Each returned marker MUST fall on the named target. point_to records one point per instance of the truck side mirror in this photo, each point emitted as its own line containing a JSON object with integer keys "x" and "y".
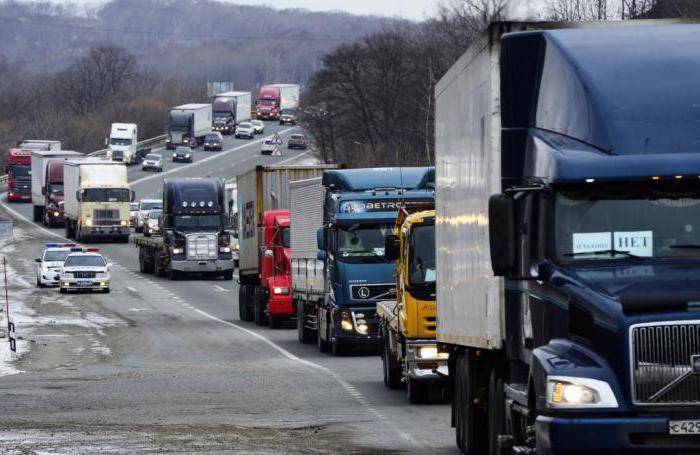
{"x": 78, "y": 196}
{"x": 269, "y": 253}
{"x": 321, "y": 239}
{"x": 392, "y": 247}
{"x": 133, "y": 195}
{"x": 321, "y": 255}
{"x": 502, "y": 234}
{"x": 43, "y": 190}
{"x": 106, "y": 141}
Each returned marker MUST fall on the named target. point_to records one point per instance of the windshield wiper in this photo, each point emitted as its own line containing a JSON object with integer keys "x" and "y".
{"x": 686, "y": 246}
{"x": 610, "y": 252}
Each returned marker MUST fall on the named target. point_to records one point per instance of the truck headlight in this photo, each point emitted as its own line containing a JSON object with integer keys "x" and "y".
{"x": 178, "y": 250}
{"x": 187, "y": 156}
{"x": 124, "y": 222}
{"x": 174, "y": 155}
{"x": 565, "y": 392}
{"x": 280, "y": 290}
{"x": 431, "y": 352}
{"x": 88, "y": 222}
{"x": 56, "y": 213}
{"x": 226, "y": 249}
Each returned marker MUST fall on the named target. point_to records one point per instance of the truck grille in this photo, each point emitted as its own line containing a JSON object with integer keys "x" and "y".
{"x": 23, "y": 185}
{"x": 666, "y": 363}
{"x": 373, "y": 291}
{"x": 117, "y": 155}
{"x": 105, "y": 217}
{"x": 84, "y": 274}
{"x": 202, "y": 246}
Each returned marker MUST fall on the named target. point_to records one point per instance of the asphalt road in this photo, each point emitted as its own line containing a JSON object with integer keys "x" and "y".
{"x": 180, "y": 373}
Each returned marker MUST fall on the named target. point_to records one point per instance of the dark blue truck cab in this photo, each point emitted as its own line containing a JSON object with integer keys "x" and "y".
{"x": 589, "y": 342}
{"x": 360, "y": 208}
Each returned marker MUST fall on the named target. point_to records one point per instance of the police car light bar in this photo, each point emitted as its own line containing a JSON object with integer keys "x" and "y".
{"x": 76, "y": 249}
{"x": 93, "y": 250}
{"x": 60, "y": 245}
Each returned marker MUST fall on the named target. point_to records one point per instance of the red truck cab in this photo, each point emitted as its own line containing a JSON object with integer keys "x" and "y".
{"x": 19, "y": 175}
{"x": 53, "y": 193}
{"x": 268, "y": 104}
{"x": 275, "y": 270}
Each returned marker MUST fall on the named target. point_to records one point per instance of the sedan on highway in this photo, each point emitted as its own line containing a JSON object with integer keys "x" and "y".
{"x": 85, "y": 271}
{"x": 297, "y": 141}
{"x": 152, "y": 162}
{"x": 258, "y": 126}
{"x": 183, "y": 154}
{"x": 245, "y": 129}
{"x": 152, "y": 224}
{"x": 213, "y": 141}
{"x": 268, "y": 147}
{"x": 288, "y": 117}
{"x": 145, "y": 206}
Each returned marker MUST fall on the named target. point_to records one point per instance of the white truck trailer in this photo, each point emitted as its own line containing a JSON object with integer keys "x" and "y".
{"x": 123, "y": 143}
{"x": 39, "y": 182}
{"x": 40, "y": 144}
{"x": 188, "y": 125}
{"x": 97, "y": 197}
{"x": 306, "y": 205}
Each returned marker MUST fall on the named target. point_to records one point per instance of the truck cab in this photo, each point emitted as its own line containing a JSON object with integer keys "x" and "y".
{"x": 359, "y": 212}
{"x": 276, "y": 303}
{"x": 19, "y": 175}
{"x": 53, "y": 193}
{"x": 123, "y": 140}
{"x": 268, "y": 103}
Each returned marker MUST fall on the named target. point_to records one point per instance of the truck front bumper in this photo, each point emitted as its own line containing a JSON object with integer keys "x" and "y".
{"x": 193, "y": 266}
{"x": 93, "y": 284}
{"x": 631, "y": 434}
{"x": 106, "y": 231}
{"x": 280, "y": 306}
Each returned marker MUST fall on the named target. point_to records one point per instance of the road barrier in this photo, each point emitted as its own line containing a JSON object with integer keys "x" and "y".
{"x": 154, "y": 141}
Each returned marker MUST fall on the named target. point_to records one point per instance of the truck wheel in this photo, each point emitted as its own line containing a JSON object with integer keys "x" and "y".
{"x": 275, "y": 322}
{"x": 38, "y": 213}
{"x": 228, "y": 275}
{"x": 76, "y": 234}
{"x": 125, "y": 238}
{"x": 68, "y": 233}
{"x": 496, "y": 411}
{"x": 323, "y": 346}
{"x": 392, "y": 368}
{"x": 304, "y": 334}
{"x": 417, "y": 391}
{"x": 339, "y": 350}
{"x": 158, "y": 267}
{"x": 472, "y": 423}
{"x": 173, "y": 275}
{"x": 260, "y": 306}
{"x": 242, "y": 300}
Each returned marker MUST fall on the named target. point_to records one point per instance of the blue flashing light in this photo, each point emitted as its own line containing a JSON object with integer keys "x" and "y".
{"x": 52, "y": 245}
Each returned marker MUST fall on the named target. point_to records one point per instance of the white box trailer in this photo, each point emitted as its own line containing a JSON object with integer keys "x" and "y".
{"x": 289, "y": 95}
{"x": 40, "y": 144}
{"x": 306, "y": 205}
{"x": 189, "y": 123}
{"x": 39, "y": 160}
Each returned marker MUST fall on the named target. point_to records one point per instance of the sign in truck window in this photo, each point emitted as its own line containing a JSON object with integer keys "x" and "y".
{"x": 638, "y": 243}
{"x": 384, "y": 205}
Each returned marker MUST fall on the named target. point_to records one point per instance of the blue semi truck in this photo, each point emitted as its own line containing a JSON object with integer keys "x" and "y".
{"x": 359, "y": 208}
{"x": 568, "y": 166}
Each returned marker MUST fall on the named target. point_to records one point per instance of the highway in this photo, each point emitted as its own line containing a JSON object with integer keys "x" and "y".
{"x": 162, "y": 366}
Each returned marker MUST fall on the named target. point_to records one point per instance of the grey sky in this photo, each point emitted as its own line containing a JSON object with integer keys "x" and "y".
{"x": 409, "y": 9}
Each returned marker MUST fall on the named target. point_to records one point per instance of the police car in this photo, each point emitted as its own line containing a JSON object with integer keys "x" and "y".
{"x": 85, "y": 271}
{"x": 49, "y": 266}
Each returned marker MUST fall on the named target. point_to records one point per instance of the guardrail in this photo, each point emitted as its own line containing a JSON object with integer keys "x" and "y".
{"x": 145, "y": 143}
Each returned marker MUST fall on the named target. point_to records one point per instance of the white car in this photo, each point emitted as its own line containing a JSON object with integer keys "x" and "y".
{"x": 48, "y": 270}
{"x": 245, "y": 129}
{"x": 85, "y": 271}
{"x": 268, "y": 147}
{"x": 145, "y": 206}
{"x": 151, "y": 225}
{"x": 258, "y": 126}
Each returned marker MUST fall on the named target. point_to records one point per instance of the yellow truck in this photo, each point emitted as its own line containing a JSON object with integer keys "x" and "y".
{"x": 409, "y": 350}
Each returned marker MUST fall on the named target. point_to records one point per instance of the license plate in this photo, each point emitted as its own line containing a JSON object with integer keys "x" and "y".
{"x": 84, "y": 283}
{"x": 684, "y": 427}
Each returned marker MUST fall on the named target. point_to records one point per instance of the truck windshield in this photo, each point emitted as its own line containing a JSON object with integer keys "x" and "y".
{"x": 20, "y": 170}
{"x": 84, "y": 261}
{"x": 617, "y": 222}
{"x": 106, "y": 195}
{"x": 422, "y": 255}
{"x": 266, "y": 102}
{"x": 286, "y": 237}
{"x": 362, "y": 243}
{"x": 56, "y": 188}
{"x": 197, "y": 221}
{"x": 117, "y": 141}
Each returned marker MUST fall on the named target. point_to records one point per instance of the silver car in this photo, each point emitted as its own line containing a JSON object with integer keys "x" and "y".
{"x": 152, "y": 224}
{"x": 145, "y": 206}
{"x": 152, "y": 162}
{"x": 245, "y": 129}
{"x": 258, "y": 126}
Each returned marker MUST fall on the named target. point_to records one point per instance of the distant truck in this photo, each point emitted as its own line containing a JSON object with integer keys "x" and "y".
{"x": 275, "y": 97}
{"x": 230, "y": 109}
{"x": 123, "y": 144}
{"x": 96, "y": 200}
{"x": 568, "y": 239}
{"x": 194, "y": 235}
{"x": 47, "y": 184}
{"x": 188, "y": 125}
{"x": 40, "y": 144}
{"x": 263, "y": 235}
{"x": 19, "y": 175}
{"x": 359, "y": 210}
{"x": 409, "y": 350}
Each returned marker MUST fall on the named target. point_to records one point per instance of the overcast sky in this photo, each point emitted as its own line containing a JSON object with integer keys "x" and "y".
{"x": 409, "y": 9}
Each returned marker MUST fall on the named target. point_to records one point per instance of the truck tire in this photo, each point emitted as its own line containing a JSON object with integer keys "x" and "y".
{"x": 339, "y": 350}
{"x": 68, "y": 230}
{"x": 144, "y": 265}
{"x": 391, "y": 367}
{"x": 304, "y": 334}
{"x": 125, "y": 238}
{"x": 228, "y": 275}
{"x": 242, "y": 300}
{"x": 472, "y": 422}
{"x": 158, "y": 266}
{"x": 260, "y": 306}
{"x": 418, "y": 392}
{"x": 496, "y": 411}
{"x": 38, "y": 214}
{"x": 275, "y": 322}
{"x": 173, "y": 275}
{"x": 323, "y": 346}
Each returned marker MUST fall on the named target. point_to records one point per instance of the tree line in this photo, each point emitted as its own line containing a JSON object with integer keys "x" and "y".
{"x": 372, "y": 102}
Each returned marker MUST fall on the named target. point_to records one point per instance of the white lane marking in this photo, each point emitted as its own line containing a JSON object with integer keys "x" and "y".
{"x": 351, "y": 389}
{"x": 132, "y": 289}
{"x": 209, "y": 158}
{"x": 219, "y": 288}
